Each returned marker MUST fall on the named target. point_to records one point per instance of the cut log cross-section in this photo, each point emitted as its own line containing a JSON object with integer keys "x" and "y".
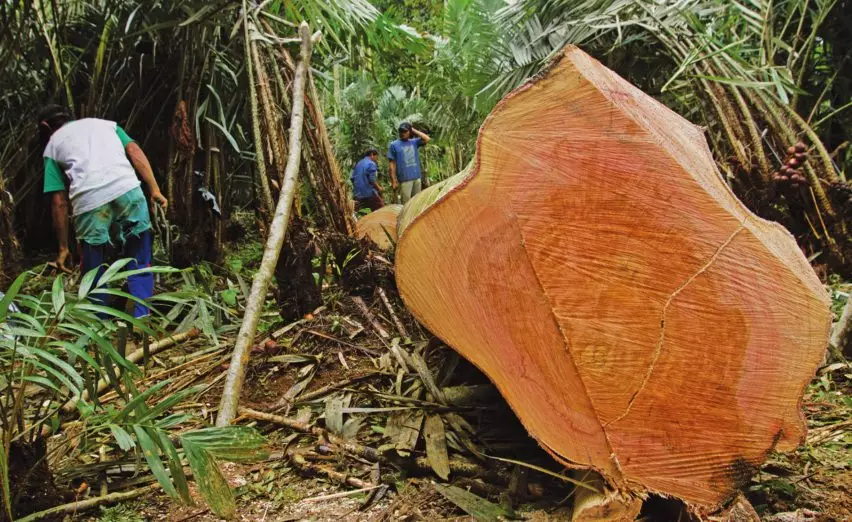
{"x": 379, "y": 226}
{"x": 636, "y": 316}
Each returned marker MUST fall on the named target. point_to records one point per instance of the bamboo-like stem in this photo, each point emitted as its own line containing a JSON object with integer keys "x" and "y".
{"x": 279, "y": 153}
{"x": 272, "y": 250}
{"x": 262, "y": 180}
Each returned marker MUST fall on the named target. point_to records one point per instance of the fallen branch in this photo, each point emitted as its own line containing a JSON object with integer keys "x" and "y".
{"x": 314, "y": 469}
{"x": 272, "y": 250}
{"x": 396, "y": 321}
{"x": 85, "y": 505}
{"x": 368, "y": 315}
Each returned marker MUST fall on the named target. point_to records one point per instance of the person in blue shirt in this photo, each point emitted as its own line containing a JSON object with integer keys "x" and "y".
{"x": 367, "y": 192}
{"x": 404, "y": 159}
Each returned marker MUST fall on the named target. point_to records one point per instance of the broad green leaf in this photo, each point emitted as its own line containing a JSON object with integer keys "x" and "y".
{"x": 167, "y": 403}
{"x": 86, "y": 284}
{"x": 111, "y": 271}
{"x": 152, "y": 456}
{"x": 233, "y": 443}
{"x": 105, "y": 346}
{"x": 124, "y": 440}
{"x": 211, "y": 483}
{"x": 41, "y": 381}
{"x": 118, "y": 314}
{"x": 57, "y": 295}
{"x": 10, "y": 294}
{"x": 178, "y": 476}
{"x": 77, "y": 350}
{"x": 225, "y": 132}
{"x": 121, "y": 276}
{"x": 140, "y": 399}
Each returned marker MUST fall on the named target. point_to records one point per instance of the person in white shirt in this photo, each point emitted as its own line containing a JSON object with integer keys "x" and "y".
{"x": 94, "y": 164}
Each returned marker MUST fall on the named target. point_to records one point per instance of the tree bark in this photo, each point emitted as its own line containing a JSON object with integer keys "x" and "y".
{"x": 638, "y": 318}
{"x": 277, "y": 232}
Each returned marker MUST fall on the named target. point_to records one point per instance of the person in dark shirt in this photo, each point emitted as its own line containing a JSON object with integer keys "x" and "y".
{"x": 404, "y": 159}
{"x": 367, "y": 192}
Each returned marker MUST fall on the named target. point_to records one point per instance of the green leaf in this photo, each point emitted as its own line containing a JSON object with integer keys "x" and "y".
{"x": 106, "y": 347}
{"x": 86, "y": 284}
{"x": 167, "y": 403}
{"x": 227, "y": 134}
{"x": 140, "y": 399}
{"x": 9, "y": 296}
{"x": 178, "y": 476}
{"x": 57, "y": 295}
{"x": 229, "y": 297}
{"x": 152, "y": 456}
{"x": 79, "y": 351}
{"x": 118, "y": 314}
{"x": 233, "y": 443}
{"x": 109, "y": 273}
{"x": 211, "y": 483}
{"x": 124, "y": 440}
{"x": 41, "y": 381}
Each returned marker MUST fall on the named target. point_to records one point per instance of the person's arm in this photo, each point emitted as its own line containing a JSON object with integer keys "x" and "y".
{"x": 392, "y": 166}
{"x": 371, "y": 177}
{"x": 55, "y": 186}
{"x": 143, "y": 168}
{"x": 59, "y": 211}
{"x": 422, "y": 135}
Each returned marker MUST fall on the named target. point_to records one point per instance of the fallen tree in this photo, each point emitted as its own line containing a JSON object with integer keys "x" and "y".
{"x": 636, "y": 316}
{"x": 379, "y": 226}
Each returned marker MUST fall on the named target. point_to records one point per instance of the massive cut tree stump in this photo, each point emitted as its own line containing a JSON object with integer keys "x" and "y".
{"x": 636, "y": 316}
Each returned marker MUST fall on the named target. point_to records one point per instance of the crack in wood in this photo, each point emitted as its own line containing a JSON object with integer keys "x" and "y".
{"x": 658, "y": 348}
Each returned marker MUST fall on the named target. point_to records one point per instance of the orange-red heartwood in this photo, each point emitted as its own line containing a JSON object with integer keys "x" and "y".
{"x": 635, "y": 315}
{"x": 379, "y": 226}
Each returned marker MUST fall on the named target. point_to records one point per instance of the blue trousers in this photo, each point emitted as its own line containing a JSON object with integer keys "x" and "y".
{"x": 136, "y": 246}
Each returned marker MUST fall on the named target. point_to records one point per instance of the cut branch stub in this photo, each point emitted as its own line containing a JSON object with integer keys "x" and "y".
{"x": 637, "y": 317}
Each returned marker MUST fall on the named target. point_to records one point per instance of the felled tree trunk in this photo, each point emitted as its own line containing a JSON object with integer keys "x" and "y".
{"x": 379, "y": 226}
{"x": 636, "y": 316}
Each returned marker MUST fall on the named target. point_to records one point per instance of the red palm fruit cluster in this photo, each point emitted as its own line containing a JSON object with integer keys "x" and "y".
{"x": 791, "y": 172}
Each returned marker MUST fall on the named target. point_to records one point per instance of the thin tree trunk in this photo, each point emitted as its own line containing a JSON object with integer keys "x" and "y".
{"x": 277, "y": 231}
{"x": 262, "y": 180}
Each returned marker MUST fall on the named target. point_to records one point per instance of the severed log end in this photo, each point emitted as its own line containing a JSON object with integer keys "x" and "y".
{"x": 379, "y": 226}
{"x": 637, "y": 317}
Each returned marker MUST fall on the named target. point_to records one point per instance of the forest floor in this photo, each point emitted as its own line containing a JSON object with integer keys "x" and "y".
{"x": 387, "y": 408}
{"x": 337, "y": 369}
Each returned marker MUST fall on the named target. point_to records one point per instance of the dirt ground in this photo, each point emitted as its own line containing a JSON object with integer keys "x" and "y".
{"x": 334, "y": 350}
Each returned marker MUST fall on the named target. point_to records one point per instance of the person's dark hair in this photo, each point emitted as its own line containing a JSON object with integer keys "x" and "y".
{"x": 370, "y": 152}
{"x": 404, "y": 126}
{"x": 50, "y": 118}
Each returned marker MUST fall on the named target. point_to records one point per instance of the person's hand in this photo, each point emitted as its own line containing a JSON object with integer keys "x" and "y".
{"x": 61, "y": 258}
{"x": 394, "y": 184}
{"x": 160, "y": 199}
